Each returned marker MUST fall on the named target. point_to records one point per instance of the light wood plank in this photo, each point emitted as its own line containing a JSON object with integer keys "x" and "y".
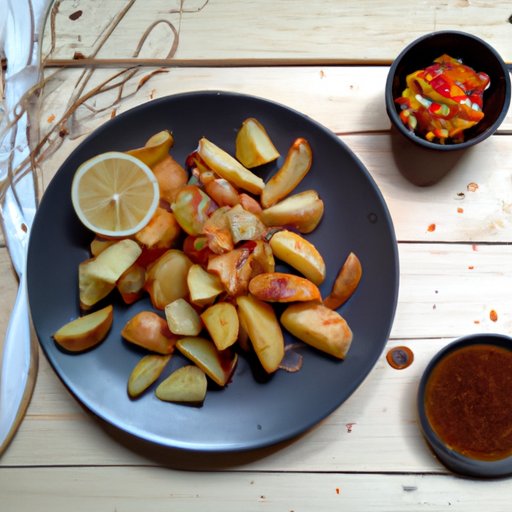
{"x": 223, "y": 30}
{"x": 156, "y": 489}
{"x": 471, "y": 200}
{"x": 347, "y": 100}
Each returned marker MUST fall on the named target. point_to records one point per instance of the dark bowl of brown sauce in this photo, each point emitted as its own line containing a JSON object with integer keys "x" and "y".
{"x": 465, "y": 405}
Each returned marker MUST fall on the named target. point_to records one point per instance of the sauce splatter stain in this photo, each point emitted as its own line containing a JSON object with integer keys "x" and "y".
{"x": 51, "y": 118}
{"x": 431, "y": 228}
{"x": 460, "y": 210}
{"x": 472, "y": 187}
{"x": 400, "y": 357}
{"x": 493, "y": 315}
{"x": 75, "y": 15}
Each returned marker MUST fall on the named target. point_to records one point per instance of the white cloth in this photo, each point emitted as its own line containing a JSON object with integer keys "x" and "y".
{"x": 21, "y": 24}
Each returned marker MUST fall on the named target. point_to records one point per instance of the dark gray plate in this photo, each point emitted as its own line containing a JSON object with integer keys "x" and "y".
{"x": 251, "y": 412}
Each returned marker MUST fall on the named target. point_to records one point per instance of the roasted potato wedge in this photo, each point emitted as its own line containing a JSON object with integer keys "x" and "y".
{"x": 91, "y": 289}
{"x": 166, "y": 278}
{"x": 187, "y": 384}
{"x": 221, "y": 322}
{"x": 150, "y": 331}
{"x": 346, "y": 282}
{"x": 131, "y": 284}
{"x": 156, "y": 148}
{"x": 182, "y": 318}
{"x": 319, "y": 327}
{"x": 302, "y": 211}
{"x": 262, "y": 326}
{"x": 234, "y": 269}
{"x": 145, "y": 372}
{"x": 203, "y": 286}
{"x": 222, "y": 192}
{"x": 282, "y": 287}
{"x": 160, "y": 232}
{"x": 253, "y": 144}
{"x": 86, "y": 331}
{"x": 229, "y": 168}
{"x": 99, "y": 244}
{"x": 296, "y": 165}
{"x": 171, "y": 177}
{"x": 300, "y": 254}
{"x": 115, "y": 259}
{"x": 217, "y": 365}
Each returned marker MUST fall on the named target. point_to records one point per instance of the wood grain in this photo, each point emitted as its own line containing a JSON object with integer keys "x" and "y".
{"x": 266, "y": 29}
{"x": 157, "y": 489}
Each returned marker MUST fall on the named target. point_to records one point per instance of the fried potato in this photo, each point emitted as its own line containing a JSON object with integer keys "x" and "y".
{"x": 300, "y": 254}
{"x": 346, "y": 282}
{"x": 221, "y": 322}
{"x": 86, "y": 331}
{"x": 319, "y": 327}
{"x": 253, "y": 144}
{"x": 303, "y": 211}
{"x": 282, "y": 287}
{"x": 262, "y": 326}
{"x": 229, "y": 168}
{"x": 296, "y": 165}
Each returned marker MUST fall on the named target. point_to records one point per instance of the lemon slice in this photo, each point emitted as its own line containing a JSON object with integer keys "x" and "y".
{"x": 114, "y": 194}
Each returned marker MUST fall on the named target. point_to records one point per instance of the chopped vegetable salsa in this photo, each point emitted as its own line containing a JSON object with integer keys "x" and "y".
{"x": 443, "y": 100}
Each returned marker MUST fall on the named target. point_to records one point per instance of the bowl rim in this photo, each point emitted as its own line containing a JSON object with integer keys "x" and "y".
{"x": 452, "y": 459}
{"x": 390, "y": 103}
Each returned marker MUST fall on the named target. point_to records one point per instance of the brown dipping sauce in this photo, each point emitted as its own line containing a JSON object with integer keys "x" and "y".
{"x": 468, "y": 401}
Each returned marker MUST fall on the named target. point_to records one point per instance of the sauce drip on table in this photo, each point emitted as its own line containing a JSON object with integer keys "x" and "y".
{"x": 468, "y": 401}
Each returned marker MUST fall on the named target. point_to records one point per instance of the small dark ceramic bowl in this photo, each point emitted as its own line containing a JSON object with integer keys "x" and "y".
{"x": 451, "y": 458}
{"x": 473, "y": 52}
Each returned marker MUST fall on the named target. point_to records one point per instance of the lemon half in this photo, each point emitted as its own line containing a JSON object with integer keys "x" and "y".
{"x": 114, "y": 194}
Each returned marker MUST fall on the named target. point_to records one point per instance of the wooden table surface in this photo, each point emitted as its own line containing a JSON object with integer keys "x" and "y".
{"x": 329, "y": 60}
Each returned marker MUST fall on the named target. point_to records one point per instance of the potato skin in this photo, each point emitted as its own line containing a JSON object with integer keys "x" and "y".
{"x": 187, "y": 384}
{"x": 259, "y": 320}
{"x": 296, "y": 166}
{"x": 85, "y": 332}
{"x": 346, "y": 282}
{"x": 303, "y": 211}
{"x": 319, "y": 327}
{"x": 146, "y": 372}
{"x": 282, "y": 287}
{"x": 300, "y": 254}
{"x": 150, "y": 331}
{"x": 221, "y": 321}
